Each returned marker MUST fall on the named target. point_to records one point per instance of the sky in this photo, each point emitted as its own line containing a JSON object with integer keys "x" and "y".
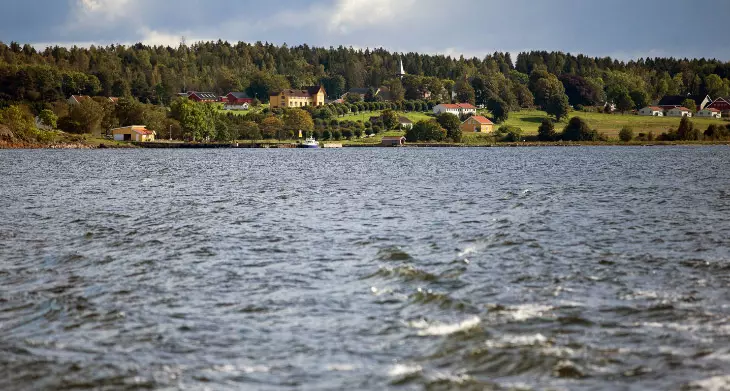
{"x": 623, "y": 29}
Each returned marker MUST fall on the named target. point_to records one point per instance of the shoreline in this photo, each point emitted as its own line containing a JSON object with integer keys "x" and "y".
{"x": 186, "y": 145}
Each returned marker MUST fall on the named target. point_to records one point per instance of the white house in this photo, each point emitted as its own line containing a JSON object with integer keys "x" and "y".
{"x": 652, "y": 111}
{"x": 455, "y": 109}
{"x": 679, "y": 112}
{"x": 243, "y": 106}
{"x": 711, "y": 113}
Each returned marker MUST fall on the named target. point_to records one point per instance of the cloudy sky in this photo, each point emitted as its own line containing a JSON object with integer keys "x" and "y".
{"x": 619, "y": 28}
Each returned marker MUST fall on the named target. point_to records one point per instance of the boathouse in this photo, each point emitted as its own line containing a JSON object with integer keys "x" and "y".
{"x": 133, "y": 133}
{"x": 393, "y": 141}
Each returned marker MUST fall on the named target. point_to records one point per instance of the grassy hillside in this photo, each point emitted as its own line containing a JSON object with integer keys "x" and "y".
{"x": 610, "y": 124}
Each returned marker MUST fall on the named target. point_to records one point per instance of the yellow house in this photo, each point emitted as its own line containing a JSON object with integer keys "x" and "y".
{"x": 477, "y": 124}
{"x": 133, "y": 133}
{"x": 310, "y": 96}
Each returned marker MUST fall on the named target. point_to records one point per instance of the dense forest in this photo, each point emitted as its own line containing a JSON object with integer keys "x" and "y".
{"x": 157, "y": 73}
{"x": 154, "y": 75}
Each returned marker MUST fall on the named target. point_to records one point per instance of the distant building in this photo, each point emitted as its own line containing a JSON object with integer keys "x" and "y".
{"x": 477, "y": 124}
{"x": 76, "y": 99}
{"x": 456, "y": 109}
{"x": 401, "y": 71}
{"x": 242, "y": 106}
{"x": 710, "y": 112}
{"x": 671, "y": 101}
{"x": 652, "y": 111}
{"x": 133, "y": 133}
{"x": 204, "y": 97}
{"x": 722, "y": 104}
{"x": 393, "y": 141}
{"x": 238, "y": 98}
{"x": 679, "y": 112}
{"x": 310, "y": 96}
{"x": 404, "y": 122}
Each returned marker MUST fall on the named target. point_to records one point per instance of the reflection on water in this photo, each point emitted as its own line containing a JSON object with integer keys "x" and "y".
{"x": 574, "y": 268}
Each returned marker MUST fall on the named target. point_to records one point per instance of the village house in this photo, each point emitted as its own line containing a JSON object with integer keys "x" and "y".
{"x": 477, "y": 124}
{"x": 76, "y": 99}
{"x": 652, "y": 111}
{"x": 379, "y": 94}
{"x": 393, "y": 141}
{"x": 133, "y": 133}
{"x": 456, "y": 109}
{"x": 709, "y": 113}
{"x": 310, "y": 96}
{"x": 237, "y": 101}
{"x": 238, "y": 98}
{"x": 679, "y": 112}
{"x": 204, "y": 97}
{"x": 404, "y": 122}
{"x": 722, "y": 104}
{"x": 671, "y": 101}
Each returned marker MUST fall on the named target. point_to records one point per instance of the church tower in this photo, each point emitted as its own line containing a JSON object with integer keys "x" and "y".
{"x": 401, "y": 71}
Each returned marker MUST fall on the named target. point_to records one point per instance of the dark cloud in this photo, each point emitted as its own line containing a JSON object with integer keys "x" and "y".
{"x": 622, "y": 28}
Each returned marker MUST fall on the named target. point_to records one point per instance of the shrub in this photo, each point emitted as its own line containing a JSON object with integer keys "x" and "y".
{"x": 626, "y": 134}
{"x": 426, "y": 131}
{"x": 508, "y": 133}
{"x": 578, "y": 130}
{"x": 546, "y": 131}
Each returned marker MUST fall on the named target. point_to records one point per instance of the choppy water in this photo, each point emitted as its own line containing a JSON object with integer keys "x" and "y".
{"x": 560, "y": 268}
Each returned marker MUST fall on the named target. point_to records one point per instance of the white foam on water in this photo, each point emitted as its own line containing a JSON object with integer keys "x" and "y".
{"x": 241, "y": 369}
{"x": 717, "y": 383}
{"x": 529, "y": 311}
{"x": 467, "y": 251}
{"x": 340, "y": 367}
{"x": 517, "y": 340}
{"x": 400, "y": 370}
{"x": 434, "y": 329}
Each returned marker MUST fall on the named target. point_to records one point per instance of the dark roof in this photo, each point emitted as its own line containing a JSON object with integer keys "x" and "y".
{"x": 404, "y": 120}
{"x": 313, "y": 90}
{"x": 361, "y": 91}
{"x": 204, "y": 95}
{"x": 239, "y": 95}
{"x": 677, "y": 100}
{"x": 303, "y": 93}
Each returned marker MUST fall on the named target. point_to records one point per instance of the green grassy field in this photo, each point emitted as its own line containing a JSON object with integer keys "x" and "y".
{"x": 242, "y": 112}
{"x": 411, "y": 115}
{"x": 609, "y": 124}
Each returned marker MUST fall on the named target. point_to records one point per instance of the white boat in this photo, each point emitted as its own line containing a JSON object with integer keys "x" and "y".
{"x": 309, "y": 142}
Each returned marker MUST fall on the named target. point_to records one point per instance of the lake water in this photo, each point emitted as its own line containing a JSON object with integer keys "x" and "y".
{"x": 488, "y": 268}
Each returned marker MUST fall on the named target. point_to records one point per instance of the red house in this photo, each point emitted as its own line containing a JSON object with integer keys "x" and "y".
{"x": 205, "y": 97}
{"x": 722, "y": 104}
{"x": 238, "y": 98}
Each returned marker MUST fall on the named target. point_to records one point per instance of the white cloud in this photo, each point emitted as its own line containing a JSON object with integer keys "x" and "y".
{"x": 104, "y": 10}
{"x": 351, "y": 15}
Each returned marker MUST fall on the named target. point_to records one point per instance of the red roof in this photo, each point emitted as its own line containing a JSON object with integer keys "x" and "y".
{"x": 458, "y": 106}
{"x": 656, "y": 108}
{"x": 482, "y": 120}
{"x": 713, "y": 110}
{"x": 680, "y": 108}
